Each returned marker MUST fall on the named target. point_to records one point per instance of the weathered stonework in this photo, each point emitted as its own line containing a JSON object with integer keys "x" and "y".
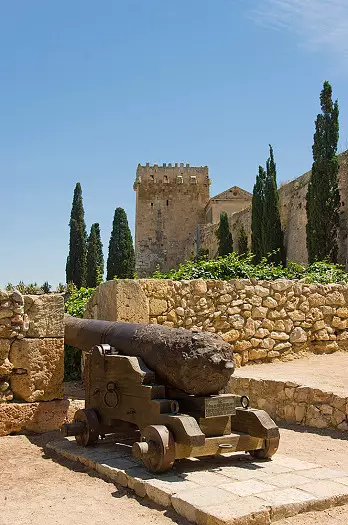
{"x": 167, "y": 235}
{"x": 294, "y": 403}
{"x": 262, "y": 320}
{"x": 31, "y": 347}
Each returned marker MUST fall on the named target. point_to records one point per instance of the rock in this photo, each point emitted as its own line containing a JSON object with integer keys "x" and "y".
{"x": 249, "y": 328}
{"x": 262, "y": 332}
{"x": 199, "y": 287}
{"x": 239, "y": 346}
{"x": 337, "y": 322}
{"x": 261, "y": 291}
{"x": 237, "y": 321}
{"x": 4, "y": 349}
{"x": 316, "y": 299}
{"x": 269, "y": 302}
{"x": 280, "y": 347}
{"x": 231, "y": 336}
{"x": 342, "y": 312}
{"x": 282, "y": 336}
{"x": 298, "y": 335}
{"x": 273, "y": 353}
{"x": 17, "y": 297}
{"x": 257, "y": 354}
{"x": 43, "y": 359}
{"x": 335, "y": 299}
{"x": 296, "y": 315}
{"x": 6, "y": 367}
{"x": 280, "y": 285}
{"x": 46, "y": 315}
{"x": 37, "y": 417}
{"x": 157, "y": 306}
{"x": 124, "y": 300}
{"x": 319, "y": 325}
{"x": 5, "y": 312}
{"x": 259, "y": 312}
{"x": 4, "y": 386}
{"x": 226, "y": 298}
{"x": 267, "y": 343}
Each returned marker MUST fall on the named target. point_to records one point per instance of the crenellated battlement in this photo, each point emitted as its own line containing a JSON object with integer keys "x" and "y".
{"x": 177, "y": 173}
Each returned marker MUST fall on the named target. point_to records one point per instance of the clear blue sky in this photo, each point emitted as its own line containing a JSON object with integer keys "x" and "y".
{"x": 90, "y": 89}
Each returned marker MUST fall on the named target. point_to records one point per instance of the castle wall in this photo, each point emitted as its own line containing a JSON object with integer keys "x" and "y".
{"x": 170, "y": 203}
{"x": 292, "y": 204}
{"x": 216, "y": 207}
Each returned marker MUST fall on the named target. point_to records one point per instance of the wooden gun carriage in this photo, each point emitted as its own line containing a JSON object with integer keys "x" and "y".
{"x": 172, "y": 424}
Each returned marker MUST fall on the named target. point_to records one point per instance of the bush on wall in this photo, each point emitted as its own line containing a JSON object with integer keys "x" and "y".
{"x": 235, "y": 266}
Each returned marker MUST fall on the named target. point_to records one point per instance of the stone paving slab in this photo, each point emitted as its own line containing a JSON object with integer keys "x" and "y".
{"x": 218, "y": 490}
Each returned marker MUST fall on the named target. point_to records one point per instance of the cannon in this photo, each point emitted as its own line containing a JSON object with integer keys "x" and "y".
{"x": 130, "y": 378}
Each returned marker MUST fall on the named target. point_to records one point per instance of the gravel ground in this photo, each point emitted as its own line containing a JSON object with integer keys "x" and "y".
{"x": 40, "y": 490}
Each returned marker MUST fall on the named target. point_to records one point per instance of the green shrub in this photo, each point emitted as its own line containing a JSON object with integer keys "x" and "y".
{"x": 75, "y": 305}
{"x": 235, "y": 266}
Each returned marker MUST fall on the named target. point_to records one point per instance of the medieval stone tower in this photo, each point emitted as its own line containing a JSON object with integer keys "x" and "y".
{"x": 170, "y": 204}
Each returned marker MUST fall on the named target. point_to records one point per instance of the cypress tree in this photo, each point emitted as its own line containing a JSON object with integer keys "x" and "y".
{"x": 257, "y": 211}
{"x": 272, "y": 228}
{"x": 95, "y": 259}
{"x": 224, "y": 235}
{"x": 323, "y": 197}
{"x": 76, "y": 261}
{"x": 242, "y": 242}
{"x": 121, "y": 258}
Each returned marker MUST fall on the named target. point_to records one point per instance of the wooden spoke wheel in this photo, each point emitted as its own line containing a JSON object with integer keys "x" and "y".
{"x": 159, "y": 452}
{"x": 270, "y": 448}
{"x": 90, "y": 433}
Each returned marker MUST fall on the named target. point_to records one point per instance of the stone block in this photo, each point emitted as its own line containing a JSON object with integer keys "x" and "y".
{"x": 120, "y": 300}
{"x": 37, "y": 417}
{"x": 231, "y": 336}
{"x": 4, "y": 349}
{"x": 43, "y": 360}
{"x": 46, "y": 315}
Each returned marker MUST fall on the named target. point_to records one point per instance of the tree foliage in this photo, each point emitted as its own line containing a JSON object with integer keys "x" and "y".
{"x": 257, "y": 211}
{"x": 76, "y": 261}
{"x": 224, "y": 235}
{"x": 95, "y": 258}
{"x": 272, "y": 234}
{"x": 323, "y": 198}
{"x": 242, "y": 242}
{"x": 121, "y": 258}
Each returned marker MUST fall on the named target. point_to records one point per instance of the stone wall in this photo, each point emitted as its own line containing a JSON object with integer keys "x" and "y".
{"x": 294, "y": 403}
{"x": 292, "y": 203}
{"x": 170, "y": 203}
{"x": 31, "y": 347}
{"x": 263, "y": 320}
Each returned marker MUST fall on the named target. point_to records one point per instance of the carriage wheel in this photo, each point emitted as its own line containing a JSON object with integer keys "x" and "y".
{"x": 270, "y": 448}
{"x": 157, "y": 448}
{"x": 90, "y": 434}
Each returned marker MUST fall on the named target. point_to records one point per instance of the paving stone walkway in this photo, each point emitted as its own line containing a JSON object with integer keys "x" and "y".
{"x": 219, "y": 490}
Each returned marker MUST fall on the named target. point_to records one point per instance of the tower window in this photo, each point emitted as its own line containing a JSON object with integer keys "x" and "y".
{"x": 151, "y": 205}
{"x": 152, "y": 178}
{"x": 165, "y": 179}
{"x": 167, "y": 203}
{"x": 193, "y": 179}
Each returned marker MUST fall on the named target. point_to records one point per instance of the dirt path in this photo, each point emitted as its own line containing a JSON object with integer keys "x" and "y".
{"x": 327, "y": 372}
{"x": 38, "y": 490}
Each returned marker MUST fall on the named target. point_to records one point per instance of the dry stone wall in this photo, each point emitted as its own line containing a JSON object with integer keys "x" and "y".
{"x": 31, "y": 347}
{"x": 262, "y": 320}
{"x": 293, "y": 402}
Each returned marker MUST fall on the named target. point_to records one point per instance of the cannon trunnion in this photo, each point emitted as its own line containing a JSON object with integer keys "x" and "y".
{"x": 172, "y": 424}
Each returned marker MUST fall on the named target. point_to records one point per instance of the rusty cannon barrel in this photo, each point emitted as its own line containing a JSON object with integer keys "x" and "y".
{"x": 196, "y": 362}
